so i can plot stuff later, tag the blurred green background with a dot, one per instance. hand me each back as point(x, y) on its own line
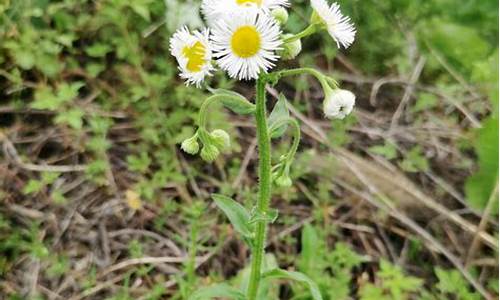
point(92, 180)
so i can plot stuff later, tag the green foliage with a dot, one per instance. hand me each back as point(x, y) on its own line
point(295, 276)
point(330, 269)
point(388, 150)
point(480, 186)
point(452, 283)
point(236, 213)
point(414, 161)
point(279, 112)
point(218, 290)
point(393, 284)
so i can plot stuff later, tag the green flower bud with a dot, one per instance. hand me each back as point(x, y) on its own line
point(283, 181)
point(209, 153)
point(221, 139)
point(191, 145)
point(292, 49)
point(280, 14)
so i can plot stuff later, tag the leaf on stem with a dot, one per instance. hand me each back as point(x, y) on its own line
point(279, 113)
point(216, 291)
point(296, 276)
point(236, 213)
point(235, 102)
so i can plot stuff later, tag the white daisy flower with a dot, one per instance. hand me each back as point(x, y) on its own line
point(244, 43)
point(340, 27)
point(213, 10)
point(338, 103)
point(193, 53)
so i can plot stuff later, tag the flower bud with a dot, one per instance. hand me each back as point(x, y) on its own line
point(292, 49)
point(221, 139)
point(191, 145)
point(209, 153)
point(283, 181)
point(338, 103)
point(280, 14)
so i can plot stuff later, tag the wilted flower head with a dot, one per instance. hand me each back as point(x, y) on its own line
point(338, 103)
point(338, 26)
point(193, 53)
point(245, 42)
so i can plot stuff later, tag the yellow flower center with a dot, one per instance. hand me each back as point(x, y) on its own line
point(244, 2)
point(245, 41)
point(195, 56)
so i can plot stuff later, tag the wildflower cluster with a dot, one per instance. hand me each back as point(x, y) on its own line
point(245, 39)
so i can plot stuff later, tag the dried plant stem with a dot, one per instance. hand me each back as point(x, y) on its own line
point(264, 146)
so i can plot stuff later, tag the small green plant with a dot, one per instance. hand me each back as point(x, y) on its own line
point(393, 284)
point(245, 39)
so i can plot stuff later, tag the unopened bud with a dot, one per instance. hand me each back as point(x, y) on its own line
point(209, 153)
point(292, 49)
point(283, 181)
point(221, 139)
point(280, 14)
point(191, 145)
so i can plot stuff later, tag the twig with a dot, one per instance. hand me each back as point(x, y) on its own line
point(408, 91)
point(144, 260)
point(167, 242)
point(482, 225)
point(418, 230)
point(11, 152)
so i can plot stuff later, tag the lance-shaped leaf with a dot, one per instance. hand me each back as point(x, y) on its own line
point(279, 113)
point(216, 291)
point(236, 213)
point(296, 276)
point(235, 102)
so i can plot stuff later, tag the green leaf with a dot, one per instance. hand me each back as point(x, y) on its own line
point(139, 163)
point(296, 276)
point(415, 161)
point(235, 102)
point(479, 187)
point(236, 213)
point(141, 9)
point(217, 290)
point(425, 101)
point(25, 59)
point(33, 187)
point(309, 254)
point(279, 112)
point(388, 150)
point(72, 117)
point(97, 50)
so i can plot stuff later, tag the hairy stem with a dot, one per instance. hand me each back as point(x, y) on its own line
point(306, 32)
point(324, 80)
point(264, 145)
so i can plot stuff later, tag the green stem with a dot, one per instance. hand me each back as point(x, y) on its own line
point(264, 144)
point(306, 32)
point(229, 100)
point(296, 135)
point(299, 71)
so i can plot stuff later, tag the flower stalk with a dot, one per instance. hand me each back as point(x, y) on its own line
point(264, 150)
